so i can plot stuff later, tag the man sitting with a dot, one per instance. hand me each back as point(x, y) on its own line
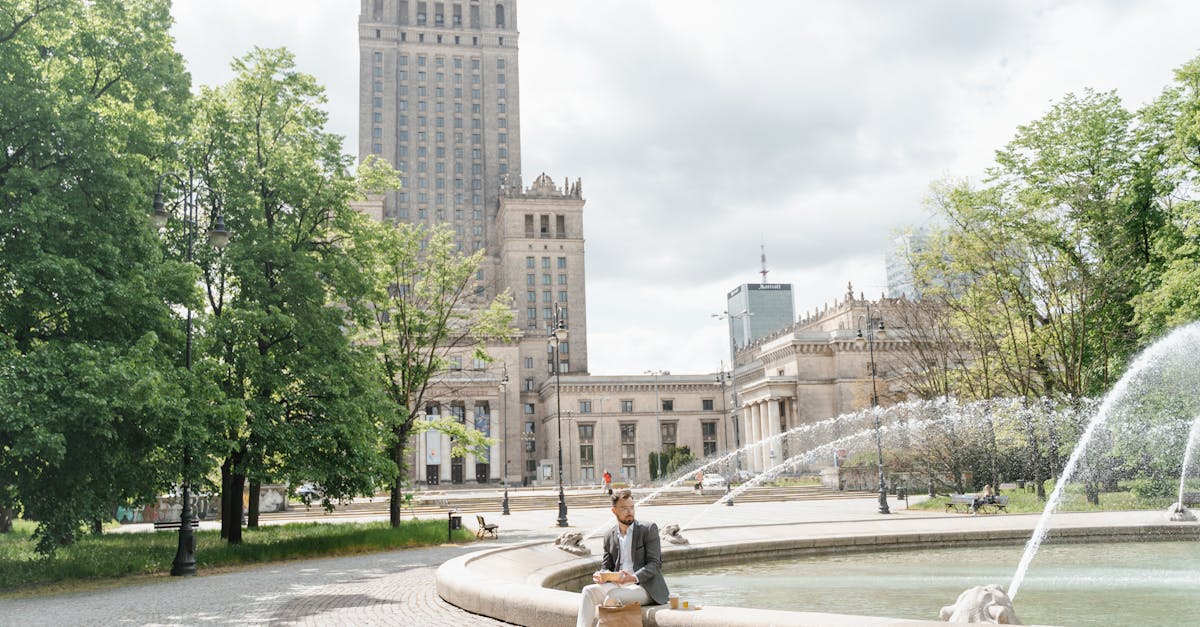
point(987, 498)
point(633, 551)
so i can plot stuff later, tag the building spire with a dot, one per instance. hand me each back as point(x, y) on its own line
point(763, 255)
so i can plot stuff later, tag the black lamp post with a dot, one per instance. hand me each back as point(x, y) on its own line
point(557, 337)
point(218, 237)
point(870, 340)
point(504, 427)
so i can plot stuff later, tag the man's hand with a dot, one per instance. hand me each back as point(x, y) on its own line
point(627, 577)
point(596, 577)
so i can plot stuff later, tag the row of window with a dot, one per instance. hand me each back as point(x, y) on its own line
point(440, 199)
point(667, 404)
point(547, 296)
point(530, 261)
point(439, 38)
point(404, 16)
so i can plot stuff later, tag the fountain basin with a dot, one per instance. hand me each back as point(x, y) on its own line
point(528, 584)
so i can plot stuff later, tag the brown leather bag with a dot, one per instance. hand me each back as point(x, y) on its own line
point(628, 615)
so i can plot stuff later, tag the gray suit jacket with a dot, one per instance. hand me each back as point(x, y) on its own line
point(647, 558)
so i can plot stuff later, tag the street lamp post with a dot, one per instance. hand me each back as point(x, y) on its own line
point(557, 337)
point(658, 421)
point(870, 340)
point(184, 563)
point(504, 427)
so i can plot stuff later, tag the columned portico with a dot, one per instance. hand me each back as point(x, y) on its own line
point(764, 403)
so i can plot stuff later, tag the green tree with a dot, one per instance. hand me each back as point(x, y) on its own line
point(93, 93)
point(422, 312)
point(278, 323)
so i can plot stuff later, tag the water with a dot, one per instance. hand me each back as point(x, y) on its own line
point(1112, 584)
point(1193, 433)
point(1155, 373)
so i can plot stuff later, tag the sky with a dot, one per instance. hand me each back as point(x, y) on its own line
point(707, 131)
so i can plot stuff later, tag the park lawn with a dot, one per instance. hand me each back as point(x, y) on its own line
point(97, 560)
point(1026, 502)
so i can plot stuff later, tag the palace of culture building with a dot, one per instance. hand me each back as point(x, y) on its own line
point(439, 98)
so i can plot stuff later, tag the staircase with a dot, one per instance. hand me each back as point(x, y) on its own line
point(525, 500)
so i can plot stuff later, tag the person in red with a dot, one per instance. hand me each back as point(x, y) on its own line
point(608, 482)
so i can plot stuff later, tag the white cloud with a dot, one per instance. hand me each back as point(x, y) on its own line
point(702, 128)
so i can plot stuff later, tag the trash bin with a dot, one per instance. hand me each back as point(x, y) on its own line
point(902, 494)
point(453, 522)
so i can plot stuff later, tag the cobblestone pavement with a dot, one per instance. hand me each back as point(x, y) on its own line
point(395, 588)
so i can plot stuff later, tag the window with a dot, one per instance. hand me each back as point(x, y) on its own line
point(545, 262)
point(562, 296)
point(562, 279)
point(530, 464)
point(627, 406)
point(564, 347)
point(708, 433)
point(629, 450)
point(546, 279)
point(585, 407)
point(531, 296)
point(529, 262)
point(530, 279)
point(529, 412)
point(668, 430)
point(529, 384)
point(562, 262)
point(530, 447)
point(668, 404)
point(547, 296)
point(707, 404)
point(529, 360)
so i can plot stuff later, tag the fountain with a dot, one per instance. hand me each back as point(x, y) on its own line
point(1178, 512)
point(1170, 360)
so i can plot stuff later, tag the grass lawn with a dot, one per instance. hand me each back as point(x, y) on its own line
point(1025, 502)
point(101, 559)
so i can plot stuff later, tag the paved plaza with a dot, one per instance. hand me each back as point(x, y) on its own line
point(393, 588)
point(398, 587)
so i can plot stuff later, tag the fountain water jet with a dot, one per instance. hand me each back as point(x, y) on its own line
point(1179, 339)
point(1178, 512)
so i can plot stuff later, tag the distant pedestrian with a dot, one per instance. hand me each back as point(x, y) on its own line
point(699, 480)
point(608, 482)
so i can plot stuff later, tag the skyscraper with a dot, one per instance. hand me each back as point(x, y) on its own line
point(756, 310)
point(439, 99)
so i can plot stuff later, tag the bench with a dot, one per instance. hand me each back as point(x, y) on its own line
point(485, 528)
point(175, 524)
point(1190, 498)
point(966, 502)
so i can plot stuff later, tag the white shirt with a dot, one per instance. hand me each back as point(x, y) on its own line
point(625, 544)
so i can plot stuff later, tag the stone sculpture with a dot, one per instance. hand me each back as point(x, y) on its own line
point(981, 604)
point(1178, 513)
point(570, 542)
point(670, 533)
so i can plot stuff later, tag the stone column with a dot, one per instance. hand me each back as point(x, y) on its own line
point(496, 470)
point(469, 458)
point(773, 430)
point(760, 452)
point(751, 422)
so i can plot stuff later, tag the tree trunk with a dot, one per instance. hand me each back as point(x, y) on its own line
point(6, 519)
point(397, 491)
point(233, 485)
point(97, 527)
point(225, 506)
point(1092, 490)
point(252, 519)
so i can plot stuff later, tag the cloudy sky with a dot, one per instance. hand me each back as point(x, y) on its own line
point(705, 129)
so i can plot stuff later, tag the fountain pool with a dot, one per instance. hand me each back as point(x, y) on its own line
point(1125, 583)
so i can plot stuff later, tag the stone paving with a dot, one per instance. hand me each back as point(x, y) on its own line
point(394, 588)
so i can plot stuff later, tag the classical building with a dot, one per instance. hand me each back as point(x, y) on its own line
point(818, 368)
point(614, 422)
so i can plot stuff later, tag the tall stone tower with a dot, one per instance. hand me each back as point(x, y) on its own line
point(439, 99)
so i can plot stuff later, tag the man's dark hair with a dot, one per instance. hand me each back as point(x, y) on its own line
point(621, 494)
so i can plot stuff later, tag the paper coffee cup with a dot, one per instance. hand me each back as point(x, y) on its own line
point(674, 601)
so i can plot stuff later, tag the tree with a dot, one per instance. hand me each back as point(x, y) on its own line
point(93, 93)
point(278, 321)
point(421, 312)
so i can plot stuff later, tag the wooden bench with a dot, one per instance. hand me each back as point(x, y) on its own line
point(485, 528)
point(174, 524)
point(1191, 498)
point(966, 503)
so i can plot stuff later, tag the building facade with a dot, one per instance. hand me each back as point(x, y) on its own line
point(613, 423)
point(439, 99)
point(818, 368)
